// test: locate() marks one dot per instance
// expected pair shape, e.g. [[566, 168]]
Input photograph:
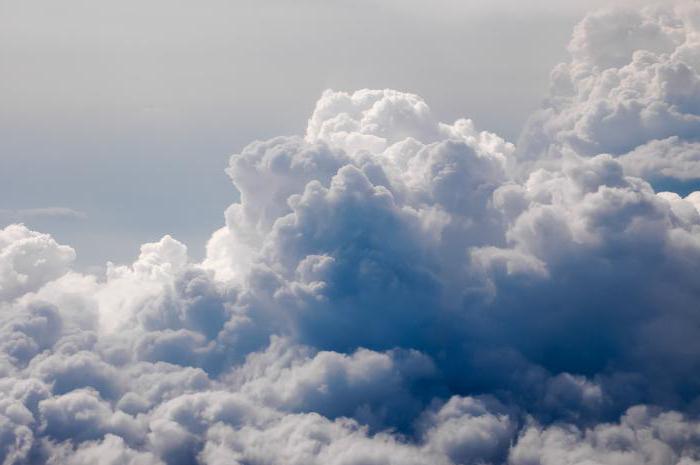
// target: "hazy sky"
[[127, 111]]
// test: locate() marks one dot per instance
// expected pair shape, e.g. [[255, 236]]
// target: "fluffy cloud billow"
[[631, 89], [393, 289]]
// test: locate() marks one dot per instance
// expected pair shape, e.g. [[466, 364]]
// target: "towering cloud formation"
[[391, 289]]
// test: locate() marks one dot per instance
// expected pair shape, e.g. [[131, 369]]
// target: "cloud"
[[373, 386], [663, 159], [643, 436], [630, 89], [112, 450], [28, 214], [390, 288], [468, 433], [29, 259]]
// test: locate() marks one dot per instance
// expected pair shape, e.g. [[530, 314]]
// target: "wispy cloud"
[[27, 214]]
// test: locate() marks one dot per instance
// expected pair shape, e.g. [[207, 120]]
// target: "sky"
[[327, 233], [127, 112]]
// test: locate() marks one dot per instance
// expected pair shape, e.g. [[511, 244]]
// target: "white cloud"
[[642, 437], [28, 260], [631, 89]]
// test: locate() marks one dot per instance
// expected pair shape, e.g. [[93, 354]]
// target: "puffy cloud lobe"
[[371, 386], [642, 437], [631, 89], [81, 415], [371, 120], [394, 289], [658, 160], [445, 168], [309, 439], [600, 253], [16, 435], [28, 260], [469, 430], [30, 331], [468, 433], [112, 450]]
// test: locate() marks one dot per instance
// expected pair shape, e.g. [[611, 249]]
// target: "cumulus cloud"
[[643, 436], [29, 259], [393, 289], [630, 90], [671, 158]]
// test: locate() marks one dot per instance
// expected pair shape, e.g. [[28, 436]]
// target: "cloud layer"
[[392, 289]]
